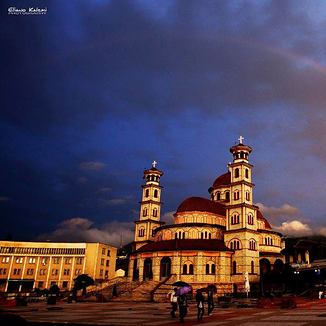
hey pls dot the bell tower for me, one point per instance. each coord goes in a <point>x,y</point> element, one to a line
<point>150,207</point>
<point>241,216</point>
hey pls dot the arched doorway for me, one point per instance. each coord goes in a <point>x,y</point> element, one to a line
<point>165,268</point>
<point>265,266</point>
<point>278,266</point>
<point>148,273</point>
<point>135,271</point>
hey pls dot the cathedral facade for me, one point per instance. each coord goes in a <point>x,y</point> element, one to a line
<point>216,240</point>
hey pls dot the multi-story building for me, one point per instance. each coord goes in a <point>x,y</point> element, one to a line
<point>28,265</point>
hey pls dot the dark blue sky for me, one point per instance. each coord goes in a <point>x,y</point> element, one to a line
<point>94,91</point>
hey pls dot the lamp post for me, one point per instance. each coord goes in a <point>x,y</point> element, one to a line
<point>296,276</point>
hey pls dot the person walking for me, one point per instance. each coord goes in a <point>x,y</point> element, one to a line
<point>174,302</point>
<point>200,305</point>
<point>183,307</point>
<point>210,301</point>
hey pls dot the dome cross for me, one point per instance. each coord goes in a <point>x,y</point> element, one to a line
<point>241,139</point>
<point>154,164</point>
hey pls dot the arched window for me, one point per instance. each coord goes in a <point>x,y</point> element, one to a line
<point>184,269</point>
<point>207,269</point>
<point>213,269</point>
<point>145,212</point>
<point>218,196</point>
<point>236,195</point>
<point>209,236</point>
<point>235,219</point>
<point>155,193</point>
<point>235,244</point>
<point>227,196</point>
<point>141,232</point>
<point>176,235</point>
<point>236,173</point>
<point>147,193</point>
<point>250,219</point>
<point>248,195</point>
<point>155,212</point>
<point>252,267</point>
<point>191,269</point>
<point>234,267</point>
<point>247,173</point>
<point>252,244</point>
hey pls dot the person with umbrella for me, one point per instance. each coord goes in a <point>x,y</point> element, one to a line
<point>200,305</point>
<point>183,307</point>
<point>211,289</point>
<point>174,301</point>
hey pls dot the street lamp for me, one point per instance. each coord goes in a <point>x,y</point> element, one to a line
<point>296,273</point>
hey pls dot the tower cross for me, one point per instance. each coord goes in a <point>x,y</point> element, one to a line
<point>154,164</point>
<point>241,139</point>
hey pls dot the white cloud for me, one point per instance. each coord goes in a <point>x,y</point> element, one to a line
<point>92,165</point>
<point>168,217</point>
<point>80,229</point>
<point>115,201</point>
<point>282,213</point>
<point>294,228</point>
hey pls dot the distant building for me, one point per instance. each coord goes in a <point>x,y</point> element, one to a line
<point>214,240</point>
<point>28,265</point>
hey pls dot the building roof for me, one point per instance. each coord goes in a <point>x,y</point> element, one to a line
<point>185,244</point>
<point>202,205</point>
<point>222,180</point>
<point>261,217</point>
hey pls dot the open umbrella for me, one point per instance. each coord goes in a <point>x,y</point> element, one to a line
<point>180,283</point>
<point>183,290</point>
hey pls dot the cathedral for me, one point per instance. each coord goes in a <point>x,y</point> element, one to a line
<point>217,240</point>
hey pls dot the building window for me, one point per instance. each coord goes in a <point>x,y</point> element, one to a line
<point>147,193</point>
<point>68,261</point>
<point>66,271</point>
<point>3,271</point>
<point>56,260</point>
<point>252,267</point>
<point>108,253</point>
<point>77,271</point>
<point>40,284</point>
<point>250,219</point>
<point>247,195</point>
<point>55,272</point>
<point>145,212</point>
<point>141,232</point>
<point>19,260</point>
<point>79,261</point>
<point>235,244</point>
<point>5,260</point>
<point>210,268</point>
<point>107,263</point>
<point>236,173</point>
<point>268,241</point>
<point>236,195</point>
<point>188,269</point>
<point>16,271</point>
<point>44,261</point>
<point>155,212</point>
<point>227,196</point>
<point>31,260</point>
<point>102,262</point>
<point>218,196</point>
<point>103,251</point>
<point>101,272</point>
<point>106,274</point>
<point>235,219</point>
<point>234,268</point>
<point>42,271</point>
<point>155,193</point>
<point>252,244</point>
<point>65,284</point>
<point>247,173</point>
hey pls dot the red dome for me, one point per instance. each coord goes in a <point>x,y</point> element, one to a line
<point>202,205</point>
<point>222,180</point>
<point>261,217</point>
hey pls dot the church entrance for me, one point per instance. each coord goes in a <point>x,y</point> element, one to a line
<point>148,273</point>
<point>165,267</point>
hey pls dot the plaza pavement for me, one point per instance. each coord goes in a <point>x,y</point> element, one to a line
<point>157,314</point>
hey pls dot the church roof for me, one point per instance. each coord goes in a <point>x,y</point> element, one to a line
<point>261,217</point>
<point>185,244</point>
<point>222,180</point>
<point>202,205</point>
